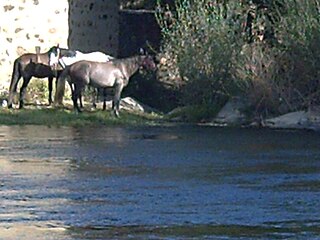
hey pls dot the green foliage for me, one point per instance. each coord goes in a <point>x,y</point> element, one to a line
<point>201,37</point>
<point>267,51</point>
<point>38,90</point>
<point>282,75</point>
<point>142,4</point>
<point>298,35</point>
<point>194,113</point>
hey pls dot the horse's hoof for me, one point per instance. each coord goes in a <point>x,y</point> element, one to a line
<point>78,110</point>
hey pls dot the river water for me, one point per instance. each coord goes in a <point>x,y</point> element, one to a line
<point>177,182</point>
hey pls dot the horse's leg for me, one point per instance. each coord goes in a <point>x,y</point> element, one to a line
<point>104,98</point>
<point>56,85</point>
<point>95,96</point>
<point>75,96</point>
<point>72,91</point>
<point>14,82</point>
<point>75,102</point>
<point>116,99</point>
<point>23,89</point>
<point>72,88</point>
<point>60,86</point>
<point>50,80</point>
<point>80,100</point>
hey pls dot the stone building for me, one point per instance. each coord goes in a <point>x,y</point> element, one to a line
<point>94,25</point>
<point>86,25</point>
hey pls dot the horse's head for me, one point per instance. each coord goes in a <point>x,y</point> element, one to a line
<point>54,56</point>
<point>56,53</point>
<point>148,62</point>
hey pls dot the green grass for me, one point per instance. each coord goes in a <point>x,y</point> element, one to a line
<point>42,115</point>
<point>65,117</point>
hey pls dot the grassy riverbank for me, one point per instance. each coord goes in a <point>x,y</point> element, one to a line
<point>67,117</point>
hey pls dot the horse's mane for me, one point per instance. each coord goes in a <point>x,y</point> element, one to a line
<point>131,64</point>
<point>119,61</point>
<point>67,52</point>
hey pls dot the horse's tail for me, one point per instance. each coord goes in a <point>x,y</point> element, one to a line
<point>16,75</point>
<point>60,89</point>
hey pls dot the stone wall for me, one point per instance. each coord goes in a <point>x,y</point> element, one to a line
<point>94,25</point>
<point>86,25</point>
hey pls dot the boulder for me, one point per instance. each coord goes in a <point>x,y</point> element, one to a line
<point>297,120</point>
<point>3,97</point>
<point>131,105</point>
<point>309,119</point>
<point>232,113</point>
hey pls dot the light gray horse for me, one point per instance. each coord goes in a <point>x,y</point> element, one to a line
<point>58,59</point>
<point>113,74</point>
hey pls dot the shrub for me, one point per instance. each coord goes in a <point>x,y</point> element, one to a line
<point>37,90</point>
<point>267,51</point>
<point>298,35</point>
<point>199,39</point>
<point>282,75</point>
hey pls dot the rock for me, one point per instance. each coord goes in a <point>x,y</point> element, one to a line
<point>178,114</point>
<point>4,103</point>
<point>296,120</point>
<point>314,118</point>
<point>131,104</point>
<point>232,113</point>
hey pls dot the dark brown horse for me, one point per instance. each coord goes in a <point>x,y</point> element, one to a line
<point>32,65</point>
<point>113,74</point>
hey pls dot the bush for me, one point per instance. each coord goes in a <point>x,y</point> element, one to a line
<point>256,69</point>
<point>200,38</point>
<point>267,51</point>
<point>37,90</point>
<point>282,75</point>
<point>298,35</point>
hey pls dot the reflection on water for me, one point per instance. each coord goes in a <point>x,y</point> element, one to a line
<point>158,183</point>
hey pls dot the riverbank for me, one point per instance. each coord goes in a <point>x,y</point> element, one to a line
<point>50,116</point>
<point>134,114</point>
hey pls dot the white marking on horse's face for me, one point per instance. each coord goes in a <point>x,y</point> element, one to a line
<point>53,59</point>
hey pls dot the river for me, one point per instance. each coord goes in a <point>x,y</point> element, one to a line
<point>178,182</point>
